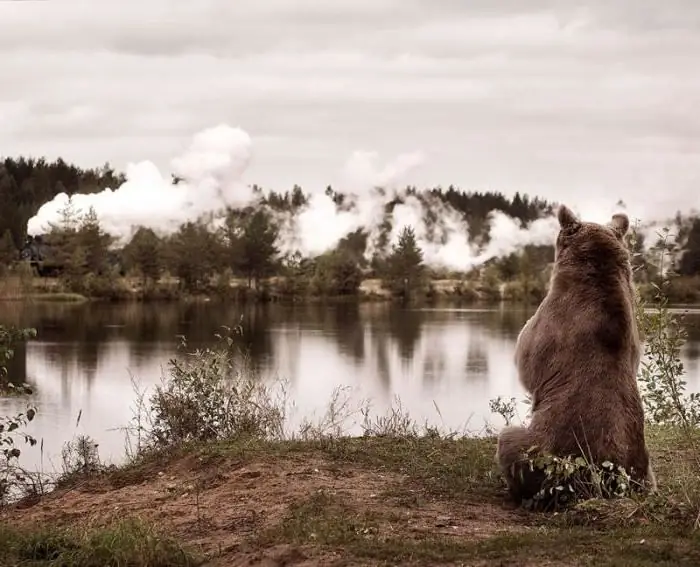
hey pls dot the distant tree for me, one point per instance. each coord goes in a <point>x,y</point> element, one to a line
<point>690,260</point>
<point>406,270</point>
<point>298,198</point>
<point>64,250</point>
<point>94,242</point>
<point>192,255</point>
<point>8,252</point>
<point>337,273</point>
<point>298,272</point>
<point>256,246</point>
<point>144,252</point>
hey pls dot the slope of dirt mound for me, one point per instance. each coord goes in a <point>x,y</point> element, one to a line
<point>371,501</point>
<point>233,508</point>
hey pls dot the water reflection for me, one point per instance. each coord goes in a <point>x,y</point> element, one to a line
<point>455,359</point>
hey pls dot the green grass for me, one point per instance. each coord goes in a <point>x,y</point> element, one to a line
<point>326,521</point>
<point>437,476</point>
<point>126,543</point>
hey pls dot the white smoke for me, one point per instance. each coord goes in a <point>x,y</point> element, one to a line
<point>212,168</point>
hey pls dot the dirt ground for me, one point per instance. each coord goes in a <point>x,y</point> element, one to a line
<point>221,505</point>
<point>358,502</point>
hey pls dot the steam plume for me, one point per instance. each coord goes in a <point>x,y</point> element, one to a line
<point>212,170</point>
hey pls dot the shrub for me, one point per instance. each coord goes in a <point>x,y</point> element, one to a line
<point>13,479</point>
<point>210,394</point>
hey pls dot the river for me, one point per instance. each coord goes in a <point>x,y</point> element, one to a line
<point>444,364</point>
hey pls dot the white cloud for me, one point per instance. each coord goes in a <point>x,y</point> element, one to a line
<point>571,101</point>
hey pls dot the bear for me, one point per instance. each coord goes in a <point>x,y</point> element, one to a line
<point>578,357</point>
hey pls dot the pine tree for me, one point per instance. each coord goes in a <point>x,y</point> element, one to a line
<point>94,242</point>
<point>405,265</point>
<point>256,246</point>
<point>8,252</point>
<point>145,253</point>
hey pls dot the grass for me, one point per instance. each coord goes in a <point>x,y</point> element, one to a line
<point>328,521</point>
<point>395,500</point>
<point>125,543</point>
<point>400,498</point>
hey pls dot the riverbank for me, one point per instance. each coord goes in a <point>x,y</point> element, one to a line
<point>396,500</point>
<point>278,289</point>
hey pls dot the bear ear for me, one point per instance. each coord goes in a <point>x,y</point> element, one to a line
<point>567,219</point>
<point>620,224</point>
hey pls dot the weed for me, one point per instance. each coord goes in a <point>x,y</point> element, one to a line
<point>128,542</point>
<point>211,394</point>
<point>14,480</point>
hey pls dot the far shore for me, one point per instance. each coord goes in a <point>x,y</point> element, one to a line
<point>684,291</point>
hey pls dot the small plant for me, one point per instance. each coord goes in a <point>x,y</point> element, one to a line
<point>396,423</point>
<point>13,478</point>
<point>505,408</point>
<point>80,457</point>
<point>661,370</point>
<point>568,480</point>
<point>212,394</point>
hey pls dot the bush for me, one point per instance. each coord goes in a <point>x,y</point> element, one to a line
<point>13,479</point>
<point>210,394</point>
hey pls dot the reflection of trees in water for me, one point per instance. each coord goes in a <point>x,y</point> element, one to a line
<point>381,341</point>
<point>692,326</point>
<point>81,333</point>
<point>477,367</point>
<point>434,367</point>
<point>17,365</point>
<point>349,331</point>
<point>256,340</point>
<point>405,327</point>
<point>508,320</point>
<point>692,354</point>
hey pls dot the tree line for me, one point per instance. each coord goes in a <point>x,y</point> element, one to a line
<point>246,243</point>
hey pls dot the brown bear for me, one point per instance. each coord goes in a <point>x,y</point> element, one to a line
<point>578,357</point>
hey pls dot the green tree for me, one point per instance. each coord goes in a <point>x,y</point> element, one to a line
<point>406,270</point>
<point>145,254</point>
<point>192,255</point>
<point>690,260</point>
<point>64,250</point>
<point>94,243</point>
<point>256,246</point>
<point>337,273</point>
<point>298,272</point>
<point>8,252</point>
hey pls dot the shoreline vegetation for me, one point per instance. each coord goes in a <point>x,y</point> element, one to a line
<point>255,254</point>
<point>680,291</point>
<point>215,477</point>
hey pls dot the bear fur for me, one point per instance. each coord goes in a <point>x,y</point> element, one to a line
<point>578,357</point>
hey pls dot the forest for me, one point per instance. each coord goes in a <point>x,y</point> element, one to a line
<point>241,257</point>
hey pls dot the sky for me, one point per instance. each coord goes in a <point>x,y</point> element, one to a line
<point>574,101</point>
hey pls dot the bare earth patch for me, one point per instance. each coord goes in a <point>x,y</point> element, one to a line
<point>353,501</point>
<point>220,507</point>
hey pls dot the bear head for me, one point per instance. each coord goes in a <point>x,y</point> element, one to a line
<point>592,245</point>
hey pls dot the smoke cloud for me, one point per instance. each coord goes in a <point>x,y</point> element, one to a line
<point>211,170</point>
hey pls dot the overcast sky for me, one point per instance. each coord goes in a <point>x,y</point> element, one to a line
<point>560,98</point>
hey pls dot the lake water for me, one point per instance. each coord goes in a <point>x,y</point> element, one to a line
<point>444,364</point>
